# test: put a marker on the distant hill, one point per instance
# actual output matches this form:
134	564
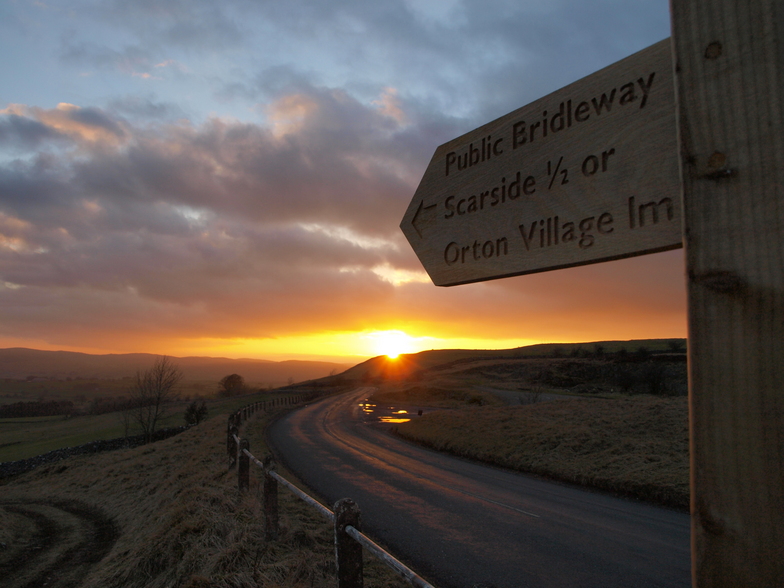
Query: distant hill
425	360
20	363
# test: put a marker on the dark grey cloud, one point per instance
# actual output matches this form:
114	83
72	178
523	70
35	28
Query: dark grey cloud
222	201
96	118
339	165
22	133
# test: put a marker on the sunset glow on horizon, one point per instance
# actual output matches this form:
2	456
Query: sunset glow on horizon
337	347
218	182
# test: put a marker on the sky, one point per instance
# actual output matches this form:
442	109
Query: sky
190	177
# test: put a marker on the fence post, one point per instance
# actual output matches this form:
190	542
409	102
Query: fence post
243	467
229	440
270	501
348	553
233	448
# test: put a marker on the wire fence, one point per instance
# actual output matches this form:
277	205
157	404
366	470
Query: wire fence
345	514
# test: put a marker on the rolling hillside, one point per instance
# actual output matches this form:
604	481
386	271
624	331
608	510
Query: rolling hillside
20	363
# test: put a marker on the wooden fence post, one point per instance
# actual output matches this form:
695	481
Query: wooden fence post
270	501
348	553
229	440
233	447
729	72
243	467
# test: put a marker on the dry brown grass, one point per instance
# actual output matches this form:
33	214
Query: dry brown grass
636	446
443	394
183	522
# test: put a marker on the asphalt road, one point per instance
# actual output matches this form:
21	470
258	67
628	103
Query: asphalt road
459	524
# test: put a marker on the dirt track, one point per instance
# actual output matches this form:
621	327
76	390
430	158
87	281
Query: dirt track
52	543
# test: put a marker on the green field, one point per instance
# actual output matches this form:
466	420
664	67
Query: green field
83	391
21	438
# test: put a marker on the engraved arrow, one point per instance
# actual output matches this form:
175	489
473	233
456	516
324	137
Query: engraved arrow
419	216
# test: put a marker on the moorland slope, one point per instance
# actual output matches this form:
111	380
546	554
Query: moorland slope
21	363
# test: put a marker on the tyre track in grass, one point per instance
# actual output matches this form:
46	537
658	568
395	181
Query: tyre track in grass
54	543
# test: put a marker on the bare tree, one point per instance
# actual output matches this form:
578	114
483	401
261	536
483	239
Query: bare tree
126	417
151	391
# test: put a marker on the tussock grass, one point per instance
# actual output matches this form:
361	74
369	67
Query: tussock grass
184	524
636	446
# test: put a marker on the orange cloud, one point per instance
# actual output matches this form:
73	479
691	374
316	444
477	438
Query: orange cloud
390	105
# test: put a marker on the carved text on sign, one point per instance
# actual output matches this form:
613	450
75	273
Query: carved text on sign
586	174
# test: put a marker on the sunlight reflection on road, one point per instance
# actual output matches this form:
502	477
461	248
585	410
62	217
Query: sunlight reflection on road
386	414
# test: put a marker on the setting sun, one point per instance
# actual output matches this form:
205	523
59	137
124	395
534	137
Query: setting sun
391	343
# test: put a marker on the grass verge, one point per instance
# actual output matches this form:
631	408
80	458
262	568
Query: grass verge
635	446
439	396
183	522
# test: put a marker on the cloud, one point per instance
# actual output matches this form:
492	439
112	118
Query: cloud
256	189
143	108
84	125
193	24
211	219
128	60
22	133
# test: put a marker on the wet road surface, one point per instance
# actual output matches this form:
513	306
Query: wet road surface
459	524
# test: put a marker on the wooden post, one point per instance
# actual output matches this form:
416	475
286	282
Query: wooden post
270	501
229	440
348	553
729	67
243	467
233	447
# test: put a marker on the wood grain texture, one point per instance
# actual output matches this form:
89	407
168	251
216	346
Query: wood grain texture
729	58
588	173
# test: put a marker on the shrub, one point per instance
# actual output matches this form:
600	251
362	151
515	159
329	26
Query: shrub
195	413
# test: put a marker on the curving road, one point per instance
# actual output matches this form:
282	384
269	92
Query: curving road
460	524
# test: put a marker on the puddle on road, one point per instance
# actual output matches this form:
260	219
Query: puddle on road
386	414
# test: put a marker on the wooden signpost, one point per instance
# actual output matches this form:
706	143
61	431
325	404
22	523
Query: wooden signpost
586	174
610	167
729	59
